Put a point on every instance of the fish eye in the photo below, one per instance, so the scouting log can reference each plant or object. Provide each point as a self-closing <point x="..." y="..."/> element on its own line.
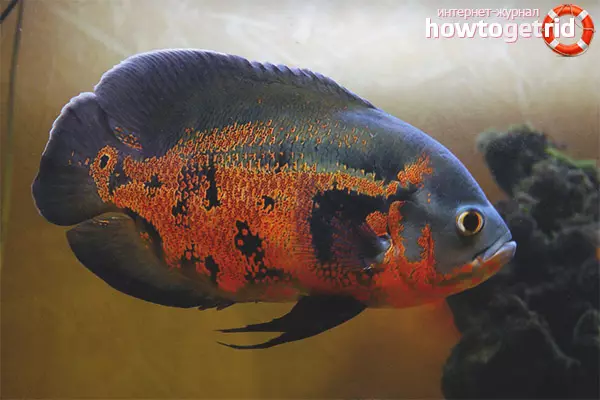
<point x="469" y="222"/>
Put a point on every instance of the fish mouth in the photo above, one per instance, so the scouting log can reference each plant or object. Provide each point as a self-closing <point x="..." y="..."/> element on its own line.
<point x="486" y="263"/>
<point x="499" y="253"/>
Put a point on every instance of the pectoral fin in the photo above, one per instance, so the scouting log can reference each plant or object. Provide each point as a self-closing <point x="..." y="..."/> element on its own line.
<point x="340" y="232"/>
<point x="113" y="247"/>
<point x="309" y="317"/>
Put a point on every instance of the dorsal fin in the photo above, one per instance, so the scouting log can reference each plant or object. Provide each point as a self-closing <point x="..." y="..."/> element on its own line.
<point x="157" y="94"/>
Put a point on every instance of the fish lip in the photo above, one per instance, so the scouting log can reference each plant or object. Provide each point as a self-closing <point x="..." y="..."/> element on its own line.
<point x="502" y="250"/>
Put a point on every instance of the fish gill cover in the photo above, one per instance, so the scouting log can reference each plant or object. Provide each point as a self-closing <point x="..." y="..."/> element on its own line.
<point x="533" y="330"/>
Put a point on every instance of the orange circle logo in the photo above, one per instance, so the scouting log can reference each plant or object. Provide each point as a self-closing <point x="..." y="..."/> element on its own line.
<point x="580" y="15"/>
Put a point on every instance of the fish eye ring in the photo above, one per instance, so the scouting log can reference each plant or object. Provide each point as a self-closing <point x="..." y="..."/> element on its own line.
<point x="469" y="222"/>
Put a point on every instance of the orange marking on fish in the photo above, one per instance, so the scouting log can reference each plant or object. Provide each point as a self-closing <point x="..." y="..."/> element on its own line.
<point x="145" y="239"/>
<point x="392" y="188"/>
<point x="423" y="271"/>
<point x="129" y="140"/>
<point x="414" y="173"/>
<point x="378" y="222"/>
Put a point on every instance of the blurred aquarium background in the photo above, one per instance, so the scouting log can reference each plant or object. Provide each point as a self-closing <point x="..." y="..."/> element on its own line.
<point x="66" y="334"/>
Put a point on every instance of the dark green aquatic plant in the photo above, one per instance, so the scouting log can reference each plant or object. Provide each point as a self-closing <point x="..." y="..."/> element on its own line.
<point x="533" y="330"/>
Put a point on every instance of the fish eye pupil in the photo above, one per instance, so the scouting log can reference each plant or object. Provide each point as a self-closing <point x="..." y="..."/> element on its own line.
<point x="103" y="161"/>
<point x="471" y="221"/>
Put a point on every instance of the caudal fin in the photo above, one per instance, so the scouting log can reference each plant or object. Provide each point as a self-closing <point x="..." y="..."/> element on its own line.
<point x="64" y="191"/>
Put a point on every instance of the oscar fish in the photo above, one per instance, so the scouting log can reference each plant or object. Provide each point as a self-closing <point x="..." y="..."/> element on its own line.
<point x="200" y="179"/>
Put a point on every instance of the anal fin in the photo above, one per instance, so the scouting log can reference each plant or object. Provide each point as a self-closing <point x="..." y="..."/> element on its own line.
<point x="112" y="247"/>
<point x="311" y="316"/>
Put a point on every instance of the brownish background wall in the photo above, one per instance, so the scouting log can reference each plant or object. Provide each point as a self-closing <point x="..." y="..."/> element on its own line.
<point x="66" y="334"/>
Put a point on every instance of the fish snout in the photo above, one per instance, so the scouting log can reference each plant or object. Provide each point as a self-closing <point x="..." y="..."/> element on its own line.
<point x="498" y="254"/>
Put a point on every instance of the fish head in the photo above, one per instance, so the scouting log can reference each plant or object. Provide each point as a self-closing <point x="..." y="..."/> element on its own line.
<point x="445" y="236"/>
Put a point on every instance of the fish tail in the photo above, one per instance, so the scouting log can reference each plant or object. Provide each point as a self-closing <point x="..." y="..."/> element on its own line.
<point x="64" y="191"/>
